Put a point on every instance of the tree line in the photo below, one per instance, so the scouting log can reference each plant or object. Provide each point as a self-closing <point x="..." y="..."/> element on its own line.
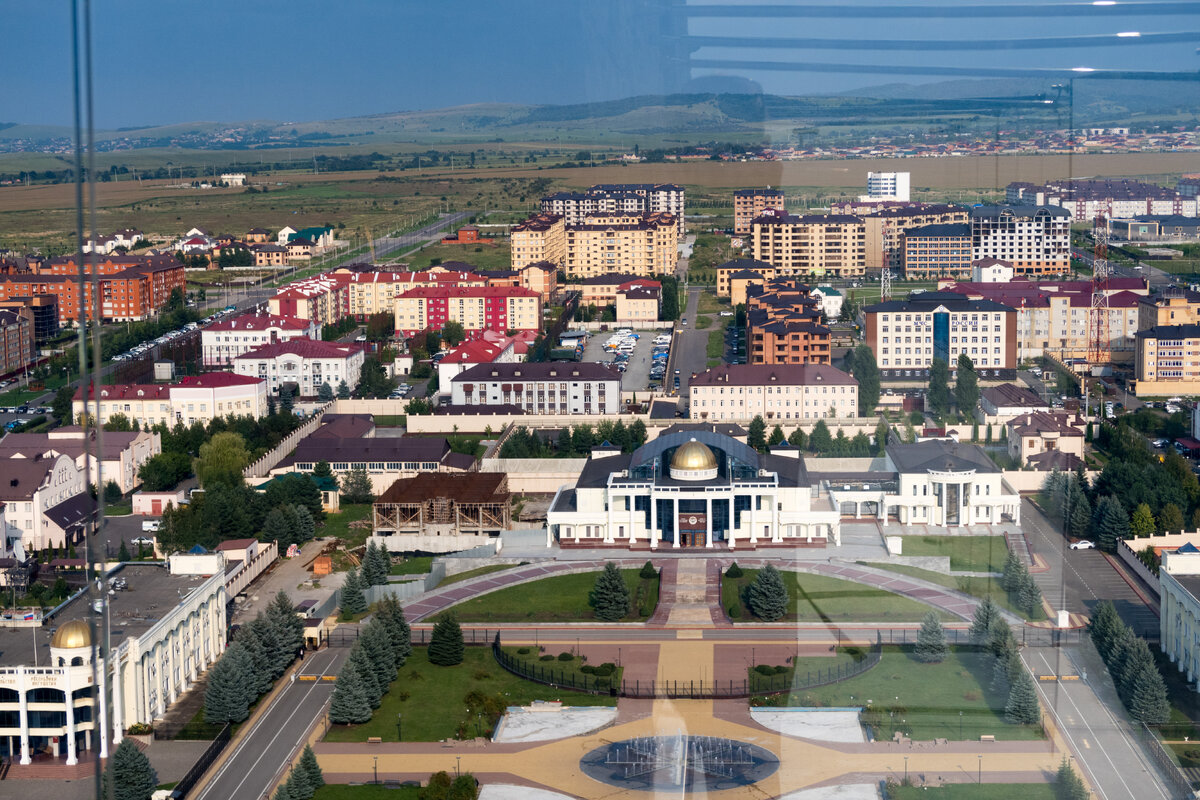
<point x="1131" y="664"/>
<point x="574" y="441"/>
<point x="819" y="441"/>
<point x="383" y="646"/>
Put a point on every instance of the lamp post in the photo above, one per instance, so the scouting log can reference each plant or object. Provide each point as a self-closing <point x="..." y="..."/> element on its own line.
<point x="906" y="770"/>
<point x="979" y="774"/>
<point x="458" y="765"/>
<point x="960" y="726"/>
<point x="399" y="727"/>
<point x="376" y="769"/>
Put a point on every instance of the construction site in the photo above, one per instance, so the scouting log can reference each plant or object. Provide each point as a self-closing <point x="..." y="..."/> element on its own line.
<point x="443" y="510"/>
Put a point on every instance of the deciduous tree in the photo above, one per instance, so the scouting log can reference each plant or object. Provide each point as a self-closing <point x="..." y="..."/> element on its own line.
<point x="866" y="372"/>
<point x="221" y="461"/>
<point x="938" y="393"/>
<point x="356" y="487"/>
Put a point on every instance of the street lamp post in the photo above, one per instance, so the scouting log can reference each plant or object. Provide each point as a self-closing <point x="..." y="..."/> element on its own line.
<point x="960" y="726"/>
<point x="400" y="729"/>
<point x="906" y="770"/>
<point x="458" y="765"/>
<point x="376" y="769"/>
<point x="979" y="774"/>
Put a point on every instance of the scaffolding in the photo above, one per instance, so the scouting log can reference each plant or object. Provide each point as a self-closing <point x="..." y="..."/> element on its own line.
<point x="445" y="504"/>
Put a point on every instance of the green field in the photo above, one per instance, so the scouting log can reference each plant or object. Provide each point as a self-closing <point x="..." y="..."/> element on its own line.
<point x="968" y="584"/>
<point x="430" y="697"/>
<point x="562" y="598"/>
<point x="486" y="255"/>
<point x="967" y="553"/>
<point x="922" y="700"/>
<point x="413" y="565"/>
<point x="338" y="525"/>
<point x="817" y="598"/>
<point x="337" y="791"/>
<point x="475" y="573"/>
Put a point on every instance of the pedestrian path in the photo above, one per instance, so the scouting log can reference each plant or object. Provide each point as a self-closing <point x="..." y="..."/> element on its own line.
<point x="690" y="604"/>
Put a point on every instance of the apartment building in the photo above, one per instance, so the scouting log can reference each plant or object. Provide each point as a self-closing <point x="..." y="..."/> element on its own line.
<point x="1171" y="306"/>
<point x="540" y="277"/>
<point x="322" y="299"/>
<point x="619" y="198"/>
<point x="937" y="251"/>
<point x="811" y="245"/>
<point x="222" y="342"/>
<point x="887" y="222"/>
<point x="16" y="340"/>
<point x="42" y="309"/>
<point x="542" y="237"/>
<point x="639" y="303"/>
<point x="887" y="186"/>
<point x="131" y="287"/>
<point x="1057" y="317"/>
<point x="641" y="244"/>
<point x="303" y="364"/>
<point x="733" y="277"/>
<point x="907" y="335"/>
<point x="739" y="393"/>
<point x="751" y="203"/>
<point x="194" y="399"/>
<point x="541" y="388"/>
<point x="1036" y="240"/>
<point x="1168" y="361"/>
<point x="601" y="290"/>
<point x="476" y="308"/>
<point x="122" y="456"/>
<point x="46" y="502"/>
<point x="1157" y="230"/>
<point x="1085" y="200"/>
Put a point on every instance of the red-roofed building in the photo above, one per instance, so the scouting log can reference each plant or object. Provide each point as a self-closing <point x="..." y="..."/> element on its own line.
<point x="476" y="308"/>
<point x="305" y="364"/>
<point x="323" y="299"/>
<point x="477" y="351"/>
<point x="222" y="342"/>
<point x="196" y="398"/>
<point x="1057" y="316"/>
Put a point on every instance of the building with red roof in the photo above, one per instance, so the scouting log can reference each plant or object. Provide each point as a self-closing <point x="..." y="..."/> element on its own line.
<point x="503" y="350"/>
<point x="476" y="308"/>
<point x="196" y="398"/>
<point x="224" y="341"/>
<point x="303" y="364"/>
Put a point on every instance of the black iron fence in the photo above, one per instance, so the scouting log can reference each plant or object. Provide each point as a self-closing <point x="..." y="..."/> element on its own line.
<point x="795" y="680"/>
<point x="202" y="764"/>
<point x="1168" y="767"/>
<point x="1031" y="635"/>
<point x="347" y="635"/>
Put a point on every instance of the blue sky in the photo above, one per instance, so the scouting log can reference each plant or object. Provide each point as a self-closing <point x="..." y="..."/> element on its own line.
<point x="164" y="61"/>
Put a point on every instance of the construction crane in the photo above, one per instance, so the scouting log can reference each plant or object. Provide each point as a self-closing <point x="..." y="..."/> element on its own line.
<point x="1099" y="340"/>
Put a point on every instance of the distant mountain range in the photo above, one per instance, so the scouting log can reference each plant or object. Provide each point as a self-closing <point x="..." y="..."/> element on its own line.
<point x="967" y="104"/>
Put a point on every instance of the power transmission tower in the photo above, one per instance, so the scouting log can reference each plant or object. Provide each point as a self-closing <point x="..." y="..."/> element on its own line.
<point x="1099" y="340"/>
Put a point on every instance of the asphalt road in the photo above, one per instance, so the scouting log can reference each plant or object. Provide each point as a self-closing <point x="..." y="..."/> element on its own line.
<point x="252" y="765"/>
<point x="691" y="347"/>
<point x="1087" y="712"/>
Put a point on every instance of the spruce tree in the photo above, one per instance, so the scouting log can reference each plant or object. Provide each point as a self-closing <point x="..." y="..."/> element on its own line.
<point x="343" y="391"/>
<point x="1013" y="568"/>
<point x="368" y="678"/>
<point x="260" y="658"/>
<point x="1110" y="522"/>
<point x="768" y="596"/>
<point x="931" y="641"/>
<point x="446" y="642"/>
<point x="280" y="526"/>
<point x="375" y="566"/>
<point x="225" y="696"/>
<point x="1137" y="658"/>
<point x="123" y="553"/>
<point x="1068" y="785"/>
<point x="352" y="599"/>
<point x="985" y="614"/>
<point x="1029" y="596"/>
<point x="349" y="704"/>
<point x="391" y="614"/>
<point x="776" y="436"/>
<point x="306" y="527"/>
<point x="648" y="572"/>
<point x="283" y="793"/>
<point x="298" y="786"/>
<point x="308" y="763"/>
<point x="609" y="597"/>
<point x="377" y="643"/>
<point x="756" y="433"/>
<point x="1103" y="627"/>
<point x="129" y="775"/>
<point x="289" y="628"/>
<point x="1022" y="705"/>
<point x="1147" y="700"/>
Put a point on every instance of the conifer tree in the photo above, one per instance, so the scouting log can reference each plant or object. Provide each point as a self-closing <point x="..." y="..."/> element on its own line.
<point x="391" y="614"/>
<point x="1029" y="596"/>
<point x="609" y="597"/>
<point x="261" y="660"/>
<point x="1103" y="627"/>
<point x="231" y="687"/>
<point x="129" y="774"/>
<point x="308" y="763"/>
<point x="756" y="433"/>
<point x="931" y="641"/>
<point x="375" y="566"/>
<point x="985" y="614"/>
<point x="1012" y="571"/>
<point x="306" y="527"/>
<point x="1147" y="698"/>
<point x="1022" y="705"/>
<point x="349" y="704"/>
<point x="768" y="596"/>
<point x="378" y="646"/>
<point x="352" y="599"/>
<point x="1110" y="522"/>
<point x="776" y="436"/>
<point x="446" y="642"/>
<point x="283" y="793"/>
<point x="298" y="786"/>
<point x="1068" y="785"/>
<point x="368" y="678"/>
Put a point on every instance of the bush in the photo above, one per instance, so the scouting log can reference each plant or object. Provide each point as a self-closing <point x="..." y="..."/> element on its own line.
<point x="764" y="669"/>
<point x="735" y="611"/>
<point x="524" y="651"/>
<point x="648" y="571"/>
<point x="782" y="670"/>
<point x="565" y="656"/>
<point x="734" y="571"/>
<point x="546" y="658"/>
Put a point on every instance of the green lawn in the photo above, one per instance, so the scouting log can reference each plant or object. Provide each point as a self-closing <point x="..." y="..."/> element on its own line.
<point x="482" y="255"/>
<point x="716" y="344"/>
<point x="806" y="668"/>
<point x="390" y="420"/>
<point x="703" y="322"/>
<point x="118" y="509"/>
<point x="968" y="791"/>
<point x="562" y="598"/>
<point x="337" y="791"/>
<point x="339" y="524"/>
<point x="922" y="700"/>
<point x="554" y="664"/>
<point x="475" y="573"/>
<point x="413" y="565"/>
<point x="967" y="553"/>
<point x="429" y="697"/>
<point x="974" y="586"/>
<point x="709" y="303"/>
<point x="817" y="598"/>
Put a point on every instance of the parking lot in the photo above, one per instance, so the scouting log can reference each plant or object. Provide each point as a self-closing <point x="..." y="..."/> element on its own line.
<point x="637" y="371"/>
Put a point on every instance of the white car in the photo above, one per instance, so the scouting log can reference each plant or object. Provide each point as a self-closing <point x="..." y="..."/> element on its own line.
<point x="142" y="541"/>
<point x="726" y="313"/>
<point x="149" y="525"/>
<point x="1083" y="544"/>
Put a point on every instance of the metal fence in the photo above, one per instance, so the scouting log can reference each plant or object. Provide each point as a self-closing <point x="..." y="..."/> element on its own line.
<point x="347" y="635"/>
<point x="1031" y="635"/>
<point x="1168" y="767"/>
<point x="202" y="764"/>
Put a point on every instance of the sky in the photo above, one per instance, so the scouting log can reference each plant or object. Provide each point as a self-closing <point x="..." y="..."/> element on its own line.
<point x="167" y="61"/>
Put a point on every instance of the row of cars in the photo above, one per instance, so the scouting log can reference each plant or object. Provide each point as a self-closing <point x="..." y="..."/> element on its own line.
<point x="139" y="350"/>
<point x="660" y="354"/>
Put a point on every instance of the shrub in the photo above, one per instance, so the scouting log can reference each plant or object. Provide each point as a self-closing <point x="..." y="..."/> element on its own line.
<point x="648" y="571"/>
<point x="607" y="668"/>
<point x="588" y="669"/>
<point x="764" y="669"/>
<point x="524" y="651"/>
<point x="735" y="611"/>
<point x="565" y="656"/>
<point x="734" y="571"/>
<point x="782" y="670"/>
<point x="546" y="658"/>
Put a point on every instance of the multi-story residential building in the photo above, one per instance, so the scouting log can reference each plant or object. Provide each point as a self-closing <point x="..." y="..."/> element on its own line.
<point x="194" y="399"/>
<point x="1172" y="306"/>
<point x="323" y="299"/>
<point x="733" y="276"/>
<point x="304" y="364"/>
<point x="601" y="290"/>
<point x="540" y="277"/>
<point x="222" y="342"/>
<point x="131" y="287"/>
<point x="541" y="388"/>
<point x="42" y="309"/>
<point x="887" y="222"/>
<point x="907" y="335"/>
<point x="938" y="251"/>
<point x="1168" y="361"/>
<point x="811" y="245"/>
<point x="619" y="198"/>
<point x="1036" y="240"/>
<point x="1087" y="199"/>
<point x="16" y="339"/>
<point x="122" y="456"/>
<point x="476" y="308"/>
<point x="46" y="503"/>
<point x="1038" y="432"/>
<point x="783" y="324"/>
<point x="639" y="303"/>
<point x="269" y="255"/>
<point x="542" y="237"/>
<point x="887" y="186"/>
<point x="1057" y="316"/>
<point x="642" y="244"/>
<point x="739" y="393"/>
<point x="751" y="203"/>
<point x="475" y="352"/>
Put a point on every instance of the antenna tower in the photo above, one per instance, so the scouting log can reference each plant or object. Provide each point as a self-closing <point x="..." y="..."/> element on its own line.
<point x="1099" y="340"/>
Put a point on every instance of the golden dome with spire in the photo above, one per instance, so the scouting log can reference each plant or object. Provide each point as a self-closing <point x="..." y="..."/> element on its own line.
<point x="693" y="461"/>
<point x="72" y="635"/>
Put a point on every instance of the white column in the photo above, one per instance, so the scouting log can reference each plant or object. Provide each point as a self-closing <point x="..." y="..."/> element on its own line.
<point x="675" y="518"/>
<point x="22" y="691"/>
<point x="608" y="524"/>
<point x="632" y="517"/>
<point x="776" y="533"/>
<point x="708" y="523"/>
<point x="72" y="760"/>
<point x="118" y="702"/>
<point x="101" y="699"/>
<point x="655" y="534"/>
<point x="753" y="531"/>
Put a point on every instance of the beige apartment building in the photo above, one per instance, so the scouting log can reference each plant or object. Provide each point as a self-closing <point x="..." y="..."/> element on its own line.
<point x="734" y="276"/>
<point x="751" y="203"/>
<point x="542" y="237"/>
<point x="738" y="393"/>
<point x="885" y="230"/>
<point x="811" y="245"/>
<point x="1168" y="361"/>
<point x="637" y="244"/>
<point x="1036" y="240"/>
<point x="1172" y="306"/>
<point x="196" y="398"/>
<point x="638" y="304"/>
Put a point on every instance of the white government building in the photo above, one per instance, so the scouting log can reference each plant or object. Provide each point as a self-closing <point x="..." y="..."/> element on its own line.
<point x="695" y="486"/>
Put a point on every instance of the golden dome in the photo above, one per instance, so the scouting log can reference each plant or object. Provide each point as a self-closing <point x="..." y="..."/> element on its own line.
<point x="71" y="635"/>
<point x="693" y="456"/>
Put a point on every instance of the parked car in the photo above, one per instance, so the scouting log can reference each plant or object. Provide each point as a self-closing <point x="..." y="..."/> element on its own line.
<point x="150" y="525"/>
<point x="1083" y="544"/>
<point x="142" y="541"/>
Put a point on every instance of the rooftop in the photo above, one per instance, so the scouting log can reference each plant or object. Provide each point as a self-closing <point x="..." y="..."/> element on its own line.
<point x="538" y="371"/>
<point x="258" y="322"/>
<point x="302" y="347"/>
<point x="764" y="374"/>
<point x="476" y="487"/>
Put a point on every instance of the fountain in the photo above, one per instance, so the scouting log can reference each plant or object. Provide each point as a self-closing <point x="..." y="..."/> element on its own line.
<point x="679" y="763"/>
